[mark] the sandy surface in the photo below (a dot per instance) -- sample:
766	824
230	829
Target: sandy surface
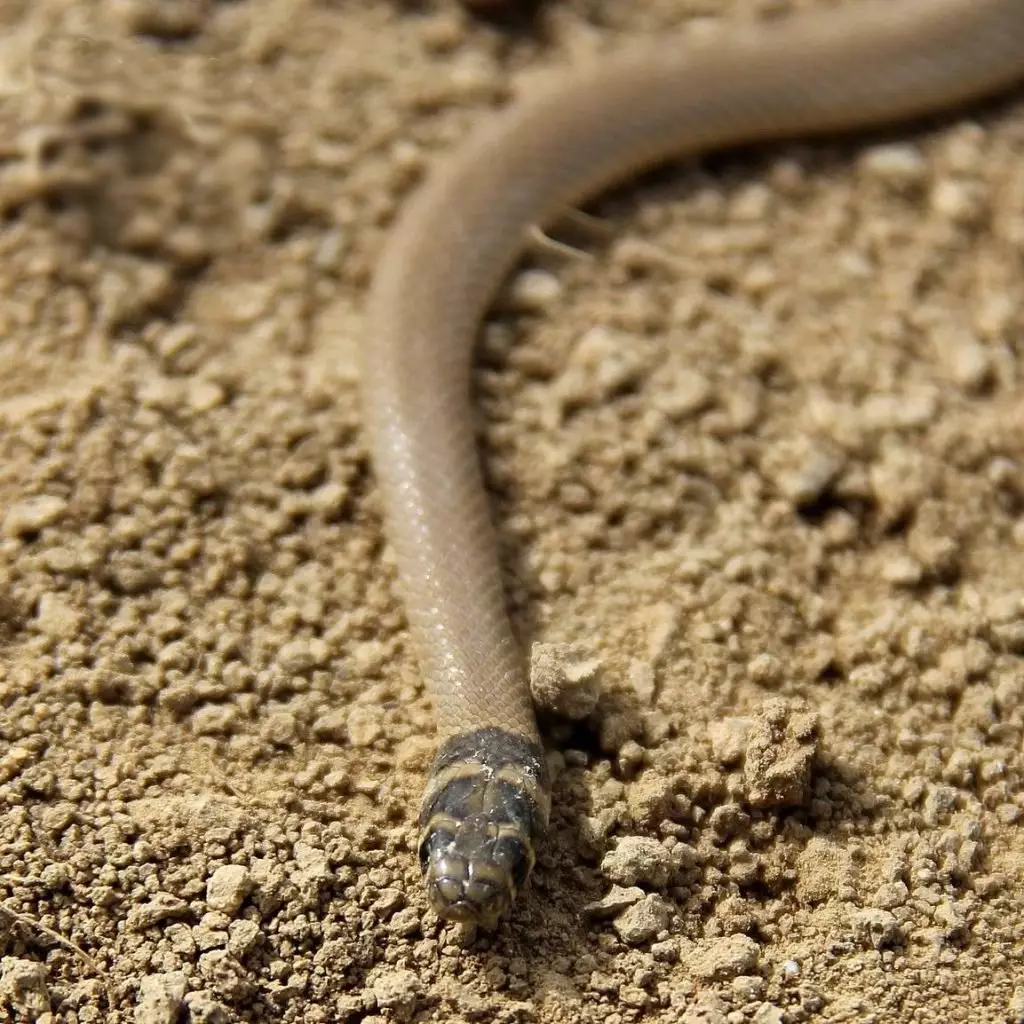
763	456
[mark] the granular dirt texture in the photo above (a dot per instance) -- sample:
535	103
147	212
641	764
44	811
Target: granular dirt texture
758	474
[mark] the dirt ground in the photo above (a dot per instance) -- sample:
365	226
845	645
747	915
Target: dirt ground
760	459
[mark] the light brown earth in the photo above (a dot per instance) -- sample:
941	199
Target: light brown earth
763	455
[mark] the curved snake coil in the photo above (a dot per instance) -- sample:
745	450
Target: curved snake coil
866	63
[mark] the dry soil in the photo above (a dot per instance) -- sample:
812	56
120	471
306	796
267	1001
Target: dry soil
758	466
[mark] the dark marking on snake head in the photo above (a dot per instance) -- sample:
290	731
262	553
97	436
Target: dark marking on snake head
515	857
484	810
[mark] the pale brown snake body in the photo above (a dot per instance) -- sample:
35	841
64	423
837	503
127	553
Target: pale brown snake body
869	62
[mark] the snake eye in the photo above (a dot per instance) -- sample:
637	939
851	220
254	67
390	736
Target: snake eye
436	840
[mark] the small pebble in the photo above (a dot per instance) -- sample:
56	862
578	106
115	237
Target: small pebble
876	928
960	202
565	679
643	921
902	571
637	860
364	726
898	165
728	738
534	290
228	887
729	957
614	902
23	988
161	998
56	618
968	361
397	991
332	727
33	514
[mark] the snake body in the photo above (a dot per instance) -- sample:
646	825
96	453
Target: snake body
867	63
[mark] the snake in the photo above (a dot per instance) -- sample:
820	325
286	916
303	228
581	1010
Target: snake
455	240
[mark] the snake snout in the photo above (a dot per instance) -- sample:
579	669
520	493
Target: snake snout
473	869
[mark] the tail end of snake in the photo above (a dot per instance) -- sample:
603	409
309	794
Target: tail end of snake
486	806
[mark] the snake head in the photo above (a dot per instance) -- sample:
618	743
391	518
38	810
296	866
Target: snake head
486	805
474	868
